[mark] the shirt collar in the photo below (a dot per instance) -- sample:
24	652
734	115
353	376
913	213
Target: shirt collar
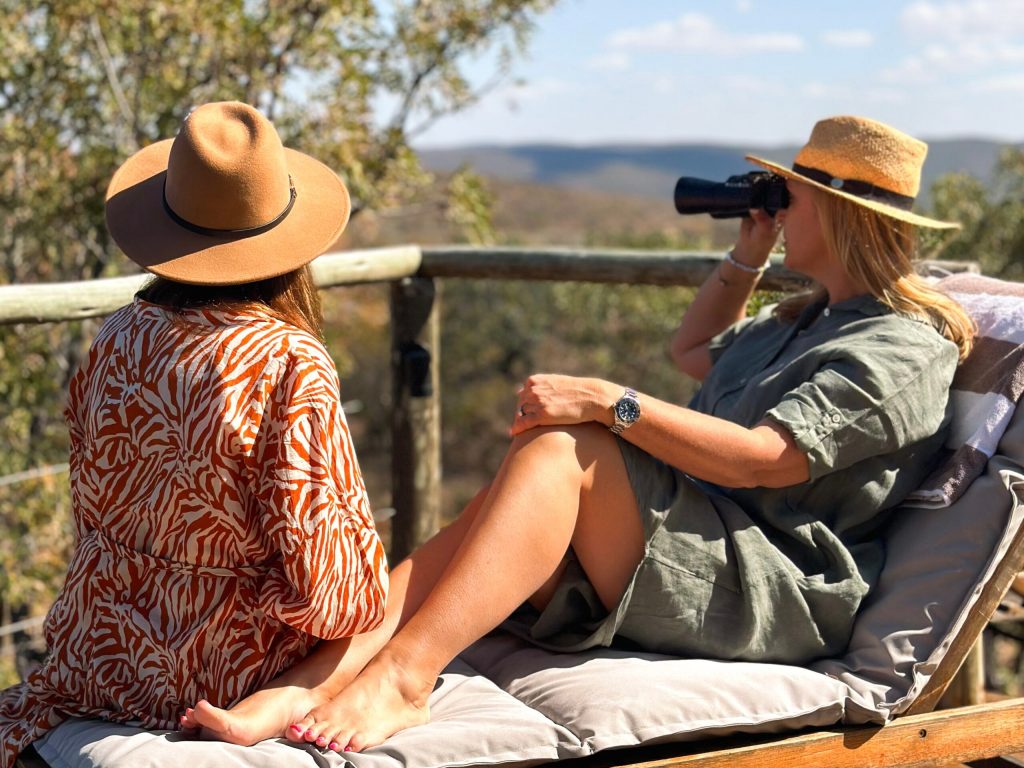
865	304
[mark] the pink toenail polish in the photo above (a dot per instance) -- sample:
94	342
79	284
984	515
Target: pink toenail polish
321	741
297	728
334	746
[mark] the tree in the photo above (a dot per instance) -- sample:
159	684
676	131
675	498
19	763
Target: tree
992	217
85	83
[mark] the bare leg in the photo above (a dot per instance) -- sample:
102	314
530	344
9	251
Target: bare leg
333	664
556	487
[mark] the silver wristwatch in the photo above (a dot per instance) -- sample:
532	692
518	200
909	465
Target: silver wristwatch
626	411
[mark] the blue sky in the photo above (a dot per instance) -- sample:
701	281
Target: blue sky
755	71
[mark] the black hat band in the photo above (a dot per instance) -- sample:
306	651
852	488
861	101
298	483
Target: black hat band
856	188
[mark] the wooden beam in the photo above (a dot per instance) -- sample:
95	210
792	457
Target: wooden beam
590	266
1009	565
687	268
55	302
968	684
920	741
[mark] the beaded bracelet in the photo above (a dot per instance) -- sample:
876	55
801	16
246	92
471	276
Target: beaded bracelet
744	268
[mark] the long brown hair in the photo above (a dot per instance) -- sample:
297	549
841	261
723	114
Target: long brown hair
878	252
291	297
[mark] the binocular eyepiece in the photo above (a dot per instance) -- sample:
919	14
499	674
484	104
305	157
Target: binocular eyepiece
734	197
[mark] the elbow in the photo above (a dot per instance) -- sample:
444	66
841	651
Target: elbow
677	353
776	478
775	461
782	472
768	476
693	361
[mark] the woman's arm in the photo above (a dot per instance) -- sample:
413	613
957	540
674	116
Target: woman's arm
704	446
722	299
333	577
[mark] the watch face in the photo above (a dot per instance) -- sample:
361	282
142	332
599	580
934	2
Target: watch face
628	410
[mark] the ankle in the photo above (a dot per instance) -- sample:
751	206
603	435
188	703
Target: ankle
410	672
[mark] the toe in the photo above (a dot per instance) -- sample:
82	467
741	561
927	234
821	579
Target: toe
297	731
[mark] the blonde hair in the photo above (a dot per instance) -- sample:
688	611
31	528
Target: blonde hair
877	252
291	297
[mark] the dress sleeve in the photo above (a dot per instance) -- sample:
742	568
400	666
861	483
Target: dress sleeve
871	398
333	577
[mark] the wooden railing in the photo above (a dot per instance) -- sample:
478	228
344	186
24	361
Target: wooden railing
415	348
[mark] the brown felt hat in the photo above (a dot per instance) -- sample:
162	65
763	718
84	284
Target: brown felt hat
224	202
865	161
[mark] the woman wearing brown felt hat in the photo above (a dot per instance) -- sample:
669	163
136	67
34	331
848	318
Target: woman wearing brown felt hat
742	527
223	526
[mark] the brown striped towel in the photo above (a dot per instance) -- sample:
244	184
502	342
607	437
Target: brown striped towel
986	387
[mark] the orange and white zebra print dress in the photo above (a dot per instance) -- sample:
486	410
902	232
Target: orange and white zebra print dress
221	521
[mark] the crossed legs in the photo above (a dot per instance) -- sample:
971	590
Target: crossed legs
558	487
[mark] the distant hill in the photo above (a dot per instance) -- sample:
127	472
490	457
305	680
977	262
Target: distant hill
652	170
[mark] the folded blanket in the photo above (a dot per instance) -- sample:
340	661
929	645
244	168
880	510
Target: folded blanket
986	388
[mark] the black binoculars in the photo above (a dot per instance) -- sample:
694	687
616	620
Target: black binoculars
734	197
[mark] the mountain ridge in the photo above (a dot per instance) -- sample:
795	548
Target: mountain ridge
651	170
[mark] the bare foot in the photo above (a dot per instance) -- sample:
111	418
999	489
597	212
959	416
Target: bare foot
385	698
264	715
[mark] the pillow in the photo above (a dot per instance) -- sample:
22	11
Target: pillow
986	388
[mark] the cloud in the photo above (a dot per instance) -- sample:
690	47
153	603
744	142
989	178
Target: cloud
748	84
1013	83
848	38
744	6
612	61
935	62
817	90
663	84
961	20
697	33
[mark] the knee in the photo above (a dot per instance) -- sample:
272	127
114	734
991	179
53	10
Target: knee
567	440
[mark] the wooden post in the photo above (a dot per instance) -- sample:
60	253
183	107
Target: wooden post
968	686
416	414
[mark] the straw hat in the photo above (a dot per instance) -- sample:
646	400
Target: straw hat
224	202
864	161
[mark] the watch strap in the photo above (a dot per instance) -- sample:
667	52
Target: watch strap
620	424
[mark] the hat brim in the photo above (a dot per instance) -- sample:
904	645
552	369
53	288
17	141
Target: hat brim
874	205
142	228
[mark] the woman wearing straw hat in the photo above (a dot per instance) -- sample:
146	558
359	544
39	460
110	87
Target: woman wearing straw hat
222	524
742	527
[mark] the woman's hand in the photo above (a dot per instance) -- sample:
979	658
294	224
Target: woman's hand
548	399
758	233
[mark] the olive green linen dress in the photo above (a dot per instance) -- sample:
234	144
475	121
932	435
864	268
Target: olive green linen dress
765	574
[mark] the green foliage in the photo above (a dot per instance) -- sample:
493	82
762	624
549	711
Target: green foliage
470	207
496	333
992	218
